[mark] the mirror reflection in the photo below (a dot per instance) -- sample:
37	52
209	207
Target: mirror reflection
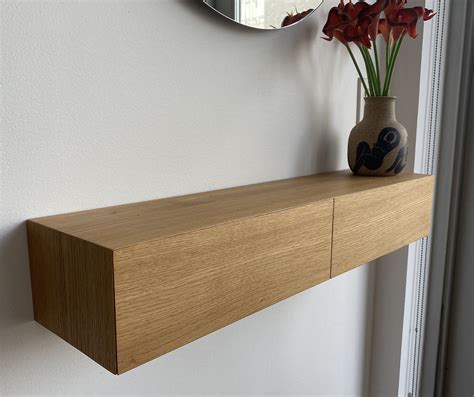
265	14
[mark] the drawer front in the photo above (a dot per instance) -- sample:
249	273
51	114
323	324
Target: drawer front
375	222
172	291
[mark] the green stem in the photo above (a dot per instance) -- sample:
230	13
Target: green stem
367	71
358	70
369	68
387	52
372	71
377	67
393	60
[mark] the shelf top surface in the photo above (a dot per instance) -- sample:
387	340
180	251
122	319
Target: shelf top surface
130	224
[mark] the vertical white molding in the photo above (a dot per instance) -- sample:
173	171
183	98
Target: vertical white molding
428	128
454	127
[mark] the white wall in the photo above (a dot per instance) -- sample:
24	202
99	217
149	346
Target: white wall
116	102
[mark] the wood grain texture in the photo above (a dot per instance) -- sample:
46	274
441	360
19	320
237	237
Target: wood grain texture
375	222
72	286
173	291
126	225
129	283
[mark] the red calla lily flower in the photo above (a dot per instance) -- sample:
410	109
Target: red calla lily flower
358	33
353	10
360	23
393	6
407	18
374	12
384	29
388	32
344	23
425	13
334	25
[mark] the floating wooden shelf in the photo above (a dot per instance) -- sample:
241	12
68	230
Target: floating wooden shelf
129	283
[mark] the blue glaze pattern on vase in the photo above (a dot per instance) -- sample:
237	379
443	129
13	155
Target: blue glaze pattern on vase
378	144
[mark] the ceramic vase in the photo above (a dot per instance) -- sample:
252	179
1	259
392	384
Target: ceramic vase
378	144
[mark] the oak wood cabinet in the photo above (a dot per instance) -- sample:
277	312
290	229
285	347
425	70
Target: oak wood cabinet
129	283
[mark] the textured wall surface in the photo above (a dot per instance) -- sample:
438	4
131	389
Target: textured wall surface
115	102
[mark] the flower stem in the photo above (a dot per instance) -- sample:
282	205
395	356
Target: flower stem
369	68
358	70
393	59
387	52
373	74
377	67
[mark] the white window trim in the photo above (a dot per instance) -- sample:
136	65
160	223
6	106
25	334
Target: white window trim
428	129
452	66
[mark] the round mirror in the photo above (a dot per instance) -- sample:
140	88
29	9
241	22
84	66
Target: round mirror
265	14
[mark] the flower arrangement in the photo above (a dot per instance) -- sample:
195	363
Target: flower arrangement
361	23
